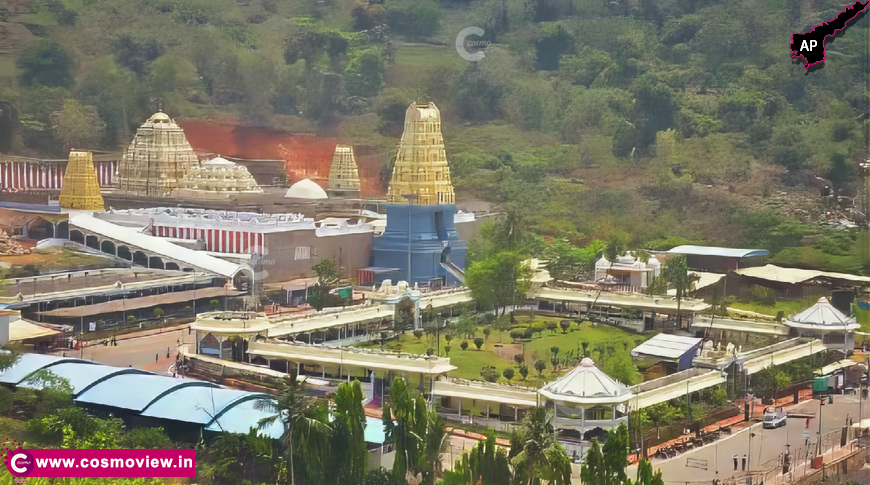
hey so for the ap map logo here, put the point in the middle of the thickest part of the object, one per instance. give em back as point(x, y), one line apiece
point(462, 43)
point(19, 462)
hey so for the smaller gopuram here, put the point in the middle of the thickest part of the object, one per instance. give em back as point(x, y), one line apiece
point(343, 174)
point(81, 189)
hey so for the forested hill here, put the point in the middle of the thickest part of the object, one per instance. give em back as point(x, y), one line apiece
point(654, 121)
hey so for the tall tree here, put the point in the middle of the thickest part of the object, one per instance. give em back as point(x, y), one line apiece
point(348, 446)
point(46, 62)
point(536, 454)
point(417, 434)
point(499, 280)
point(606, 465)
point(328, 277)
point(676, 272)
point(305, 421)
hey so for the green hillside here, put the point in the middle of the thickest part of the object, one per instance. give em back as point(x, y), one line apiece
point(591, 119)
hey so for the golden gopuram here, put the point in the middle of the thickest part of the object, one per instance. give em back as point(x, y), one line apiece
point(157, 158)
point(343, 174)
point(421, 171)
point(81, 189)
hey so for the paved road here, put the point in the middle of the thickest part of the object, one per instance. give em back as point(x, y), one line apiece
point(143, 352)
point(716, 459)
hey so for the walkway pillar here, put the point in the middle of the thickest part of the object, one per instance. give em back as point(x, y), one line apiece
point(582, 422)
point(555, 413)
point(460, 409)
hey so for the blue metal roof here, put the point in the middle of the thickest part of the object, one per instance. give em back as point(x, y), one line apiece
point(82, 375)
point(29, 363)
point(197, 404)
point(722, 252)
point(134, 391)
point(244, 416)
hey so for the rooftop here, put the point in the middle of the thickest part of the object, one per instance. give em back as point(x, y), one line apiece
point(721, 252)
point(670, 347)
point(772, 272)
point(822, 315)
point(586, 384)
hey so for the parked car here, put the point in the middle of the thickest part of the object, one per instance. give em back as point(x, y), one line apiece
point(774, 419)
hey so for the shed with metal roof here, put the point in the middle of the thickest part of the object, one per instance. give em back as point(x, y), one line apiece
point(711, 258)
point(674, 349)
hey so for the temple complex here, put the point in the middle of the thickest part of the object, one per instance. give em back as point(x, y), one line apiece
point(81, 189)
point(157, 159)
point(218, 176)
point(343, 174)
point(421, 172)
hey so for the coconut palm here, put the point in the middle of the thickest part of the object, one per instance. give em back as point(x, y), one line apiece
point(348, 436)
point(535, 454)
point(306, 432)
point(676, 272)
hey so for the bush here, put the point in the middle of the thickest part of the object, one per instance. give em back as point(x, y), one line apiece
point(551, 326)
point(765, 296)
point(518, 333)
point(538, 327)
point(524, 371)
point(508, 373)
point(520, 359)
point(489, 373)
point(418, 334)
point(131, 319)
point(486, 332)
point(540, 365)
point(565, 324)
point(478, 342)
point(447, 350)
point(158, 312)
point(463, 345)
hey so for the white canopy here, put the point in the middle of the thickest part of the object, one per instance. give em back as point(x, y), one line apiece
point(822, 316)
point(586, 384)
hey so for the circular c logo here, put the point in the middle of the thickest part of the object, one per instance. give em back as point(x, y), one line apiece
point(460, 44)
point(21, 463)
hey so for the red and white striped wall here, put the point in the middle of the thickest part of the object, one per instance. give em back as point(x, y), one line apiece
point(217, 240)
point(26, 175)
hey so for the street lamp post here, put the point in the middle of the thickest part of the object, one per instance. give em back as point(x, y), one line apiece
point(819, 438)
point(749, 463)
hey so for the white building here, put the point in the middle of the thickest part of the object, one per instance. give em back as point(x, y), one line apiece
point(627, 270)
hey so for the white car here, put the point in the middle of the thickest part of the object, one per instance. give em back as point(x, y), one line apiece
point(774, 420)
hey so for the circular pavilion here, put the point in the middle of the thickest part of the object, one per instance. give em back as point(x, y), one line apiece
point(824, 321)
point(586, 398)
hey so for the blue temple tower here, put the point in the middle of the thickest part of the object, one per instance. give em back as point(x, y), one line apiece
point(420, 240)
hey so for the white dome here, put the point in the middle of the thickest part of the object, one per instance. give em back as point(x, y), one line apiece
point(305, 189)
point(218, 162)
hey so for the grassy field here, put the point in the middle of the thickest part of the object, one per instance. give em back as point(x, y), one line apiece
point(471, 361)
point(426, 56)
point(788, 307)
point(55, 259)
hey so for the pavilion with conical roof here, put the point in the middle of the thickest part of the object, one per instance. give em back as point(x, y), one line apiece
point(823, 320)
point(587, 398)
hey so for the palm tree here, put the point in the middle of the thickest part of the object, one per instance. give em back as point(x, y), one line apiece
point(676, 272)
point(304, 420)
point(348, 435)
point(535, 452)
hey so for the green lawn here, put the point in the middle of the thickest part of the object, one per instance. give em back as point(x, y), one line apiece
point(788, 307)
point(426, 56)
point(7, 67)
point(470, 361)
